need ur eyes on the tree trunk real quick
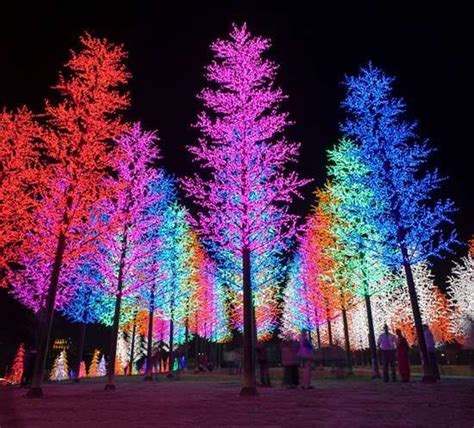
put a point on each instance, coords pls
(35, 390)
(80, 350)
(149, 366)
(109, 386)
(196, 352)
(347, 341)
(373, 347)
(425, 360)
(249, 384)
(318, 337)
(171, 353)
(330, 332)
(186, 342)
(132, 347)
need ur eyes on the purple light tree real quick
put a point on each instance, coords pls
(125, 260)
(244, 192)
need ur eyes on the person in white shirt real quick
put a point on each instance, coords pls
(387, 346)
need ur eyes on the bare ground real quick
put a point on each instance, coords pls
(212, 400)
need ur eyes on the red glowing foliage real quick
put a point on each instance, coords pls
(19, 182)
(79, 155)
(16, 370)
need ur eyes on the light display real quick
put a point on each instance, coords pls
(244, 202)
(406, 216)
(82, 370)
(299, 311)
(92, 372)
(208, 316)
(15, 373)
(461, 291)
(60, 370)
(101, 368)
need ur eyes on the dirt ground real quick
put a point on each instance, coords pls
(212, 400)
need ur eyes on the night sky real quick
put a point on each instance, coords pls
(428, 49)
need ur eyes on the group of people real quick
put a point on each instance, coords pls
(394, 348)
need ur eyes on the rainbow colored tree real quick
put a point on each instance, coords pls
(245, 201)
(407, 217)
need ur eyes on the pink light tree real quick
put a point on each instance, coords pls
(126, 258)
(245, 191)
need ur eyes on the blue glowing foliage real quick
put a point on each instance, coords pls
(88, 303)
(299, 311)
(407, 216)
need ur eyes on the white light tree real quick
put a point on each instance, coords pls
(461, 291)
(60, 370)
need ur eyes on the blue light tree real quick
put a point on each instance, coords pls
(407, 216)
(176, 267)
(86, 305)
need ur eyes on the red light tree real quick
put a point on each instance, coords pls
(245, 201)
(77, 141)
(15, 373)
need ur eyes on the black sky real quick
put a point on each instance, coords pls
(428, 48)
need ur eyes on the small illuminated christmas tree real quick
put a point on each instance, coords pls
(101, 369)
(60, 370)
(94, 364)
(16, 371)
(82, 370)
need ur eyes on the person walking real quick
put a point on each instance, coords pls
(289, 361)
(262, 360)
(387, 346)
(402, 356)
(430, 346)
(305, 352)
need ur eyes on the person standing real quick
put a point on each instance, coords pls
(289, 361)
(387, 346)
(262, 360)
(402, 356)
(305, 352)
(430, 346)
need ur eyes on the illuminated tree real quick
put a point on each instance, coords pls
(407, 216)
(78, 132)
(461, 291)
(208, 316)
(94, 364)
(60, 370)
(101, 368)
(86, 303)
(299, 311)
(125, 260)
(15, 373)
(82, 370)
(20, 182)
(244, 202)
(358, 266)
(176, 268)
